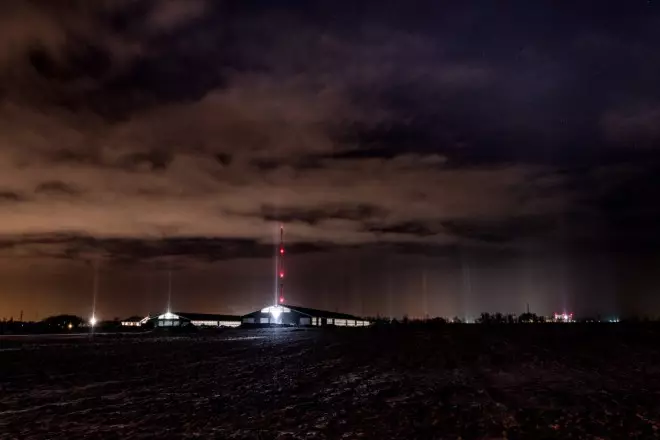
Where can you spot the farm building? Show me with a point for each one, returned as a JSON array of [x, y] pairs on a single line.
[[133, 321], [211, 320], [294, 316], [180, 319], [280, 315]]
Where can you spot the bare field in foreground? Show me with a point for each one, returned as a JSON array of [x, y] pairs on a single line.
[[469, 381]]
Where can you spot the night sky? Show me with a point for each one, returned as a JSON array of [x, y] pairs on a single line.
[[497, 153]]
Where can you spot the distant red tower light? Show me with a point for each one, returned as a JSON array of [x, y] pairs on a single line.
[[281, 251], [281, 274], [281, 300]]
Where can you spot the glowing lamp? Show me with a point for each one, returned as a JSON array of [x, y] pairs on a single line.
[[281, 250], [281, 274], [281, 299], [92, 321]]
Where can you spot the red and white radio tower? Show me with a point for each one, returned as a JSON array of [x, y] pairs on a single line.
[[279, 292]]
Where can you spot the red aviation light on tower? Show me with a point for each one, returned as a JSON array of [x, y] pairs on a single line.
[[279, 270]]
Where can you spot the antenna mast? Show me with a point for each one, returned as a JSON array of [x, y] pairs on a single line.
[[169, 291], [279, 291], [96, 286], [95, 292]]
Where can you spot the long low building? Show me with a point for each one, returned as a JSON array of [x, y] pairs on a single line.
[[180, 319], [279, 315], [134, 321], [301, 316]]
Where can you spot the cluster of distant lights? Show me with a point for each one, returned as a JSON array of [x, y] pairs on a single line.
[[564, 317], [568, 317]]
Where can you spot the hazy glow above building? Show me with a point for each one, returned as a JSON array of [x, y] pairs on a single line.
[[275, 311]]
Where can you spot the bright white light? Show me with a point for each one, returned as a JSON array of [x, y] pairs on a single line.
[[92, 321], [269, 309], [275, 311]]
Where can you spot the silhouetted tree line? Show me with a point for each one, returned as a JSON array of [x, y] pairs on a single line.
[[495, 318], [436, 321], [72, 323], [52, 324], [499, 318]]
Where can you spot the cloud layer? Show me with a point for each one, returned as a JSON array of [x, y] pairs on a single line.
[[132, 124]]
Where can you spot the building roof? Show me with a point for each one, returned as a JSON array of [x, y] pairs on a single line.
[[207, 317], [322, 313], [313, 312], [133, 319]]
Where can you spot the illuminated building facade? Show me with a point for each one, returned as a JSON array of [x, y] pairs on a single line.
[[182, 319], [284, 315], [287, 315], [133, 321]]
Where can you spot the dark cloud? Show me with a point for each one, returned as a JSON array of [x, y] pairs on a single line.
[[313, 216], [224, 158], [408, 228], [145, 251], [504, 230], [11, 196], [152, 160]]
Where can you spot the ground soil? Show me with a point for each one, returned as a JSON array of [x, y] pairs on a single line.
[[459, 381]]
